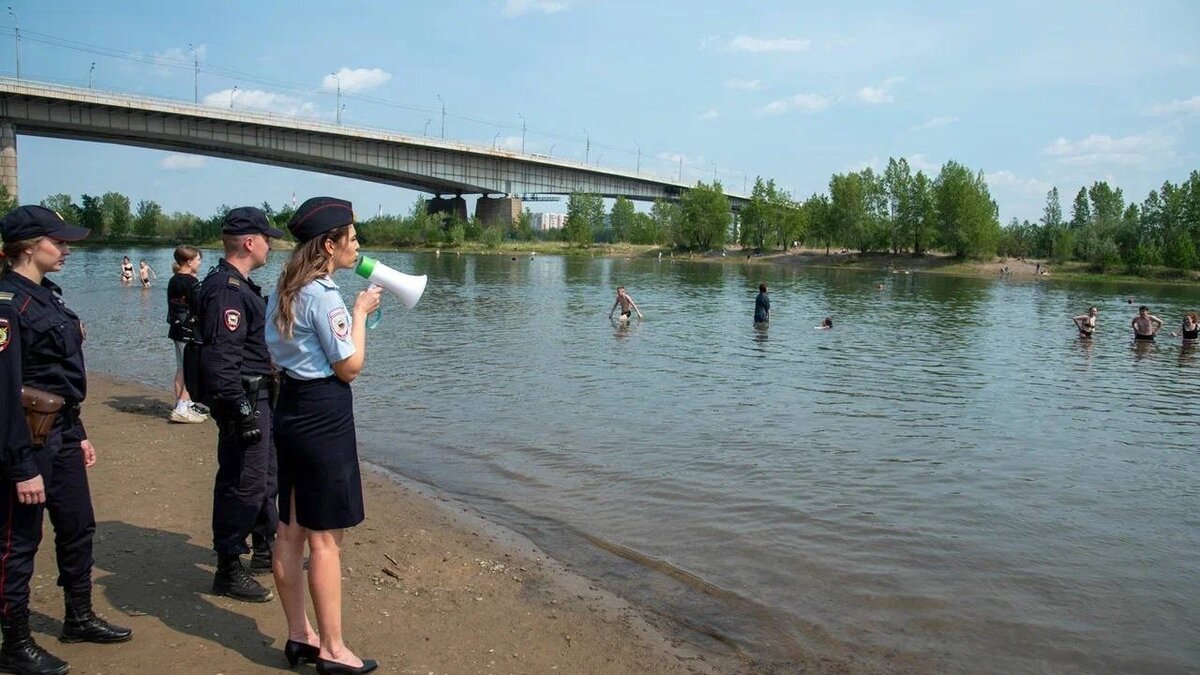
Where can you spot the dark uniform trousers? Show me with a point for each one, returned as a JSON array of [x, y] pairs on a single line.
[[247, 482], [69, 502]]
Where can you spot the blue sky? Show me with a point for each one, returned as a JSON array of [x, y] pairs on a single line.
[[1034, 94]]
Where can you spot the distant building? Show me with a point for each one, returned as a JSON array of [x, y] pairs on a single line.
[[549, 221]]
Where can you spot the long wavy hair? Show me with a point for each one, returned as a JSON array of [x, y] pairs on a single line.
[[12, 250], [309, 261]]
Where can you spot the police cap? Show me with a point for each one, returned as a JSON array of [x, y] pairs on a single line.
[[319, 215], [249, 220], [31, 222]]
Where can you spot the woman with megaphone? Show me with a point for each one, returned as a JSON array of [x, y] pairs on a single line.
[[319, 347]]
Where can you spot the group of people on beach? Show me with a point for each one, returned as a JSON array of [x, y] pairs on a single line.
[[1145, 325], [145, 273], [275, 376]]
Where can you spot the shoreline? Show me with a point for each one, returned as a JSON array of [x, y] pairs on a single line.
[[428, 584]]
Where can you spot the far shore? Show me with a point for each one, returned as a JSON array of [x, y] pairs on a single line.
[[931, 263], [427, 586]]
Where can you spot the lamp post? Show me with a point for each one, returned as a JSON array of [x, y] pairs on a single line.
[[17, 31], [443, 116], [90, 71], [232, 93], [338, 114], [425, 132], [195, 74], [522, 132], [681, 168], [587, 153], [494, 139], [551, 153], [639, 163]]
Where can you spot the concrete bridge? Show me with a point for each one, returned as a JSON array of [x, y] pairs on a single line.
[[445, 169]]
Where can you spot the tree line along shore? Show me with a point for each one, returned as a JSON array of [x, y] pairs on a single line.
[[898, 212]]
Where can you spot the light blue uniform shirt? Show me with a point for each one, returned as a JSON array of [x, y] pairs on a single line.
[[320, 332]]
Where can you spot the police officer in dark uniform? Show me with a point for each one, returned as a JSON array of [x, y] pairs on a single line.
[[237, 372], [41, 344]]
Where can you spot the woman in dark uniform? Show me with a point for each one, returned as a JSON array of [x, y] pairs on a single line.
[[319, 348], [41, 339]]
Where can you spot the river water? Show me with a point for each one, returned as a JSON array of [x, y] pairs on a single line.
[[949, 480]]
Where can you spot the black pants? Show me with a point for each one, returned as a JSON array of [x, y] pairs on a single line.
[[69, 502], [246, 485]]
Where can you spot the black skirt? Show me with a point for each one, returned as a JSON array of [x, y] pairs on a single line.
[[318, 454]]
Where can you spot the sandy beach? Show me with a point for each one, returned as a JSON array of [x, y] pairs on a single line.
[[428, 587]]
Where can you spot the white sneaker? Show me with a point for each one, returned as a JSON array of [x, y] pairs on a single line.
[[188, 416], [200, 409]]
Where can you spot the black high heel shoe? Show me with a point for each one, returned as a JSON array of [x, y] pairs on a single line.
[[295, 652], [325, 667]]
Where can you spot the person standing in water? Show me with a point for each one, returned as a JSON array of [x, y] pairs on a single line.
[[1086, 323], [1145, 325], [762, 307], [126, 271], [1189, 330], [628, 306]]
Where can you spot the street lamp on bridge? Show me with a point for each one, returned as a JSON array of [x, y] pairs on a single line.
[[639, 162], [90, 71], [522, 132], [587, 153], [195, 74], [338, 114], [17, 31], [494, 139], [426, 131], [232, 93], [443, 116]]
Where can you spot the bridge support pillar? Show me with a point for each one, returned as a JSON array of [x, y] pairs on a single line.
[[498, 211], [454, 207], [8, 159]]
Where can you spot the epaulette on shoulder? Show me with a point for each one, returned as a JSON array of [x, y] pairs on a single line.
[[5, 296], [234, 281]]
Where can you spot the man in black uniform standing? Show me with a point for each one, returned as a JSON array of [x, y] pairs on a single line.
[[236, 369]]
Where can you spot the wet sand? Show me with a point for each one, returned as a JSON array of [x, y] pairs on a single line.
[[428, 587]]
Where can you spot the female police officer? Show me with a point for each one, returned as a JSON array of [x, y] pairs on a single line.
[[319, 347], [41, 343]]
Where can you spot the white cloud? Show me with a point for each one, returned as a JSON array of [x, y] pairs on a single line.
[[509, 143], [745, 43], [181, 162], [519, 7], [1191, 105], [880, 94], [1102, 148], [1012, 183], [355, 79], [710, 115], [258, 100], [935, 122], [919, 162], [745, 85], [177, 58], [802, 102], [874, 95]]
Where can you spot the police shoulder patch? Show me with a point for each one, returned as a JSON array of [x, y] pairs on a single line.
[[234, 281], [233, 319], [5, 334], [6, 296], [339, 323]]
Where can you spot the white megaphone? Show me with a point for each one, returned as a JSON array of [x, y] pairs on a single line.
[[408, 287]]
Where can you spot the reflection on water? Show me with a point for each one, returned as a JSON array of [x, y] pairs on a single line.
[[948, 480]]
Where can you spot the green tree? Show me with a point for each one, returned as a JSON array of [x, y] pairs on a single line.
[[1081, 211], [149, 214], [645, 230], [1052, 213], [755, 217], [902, 216], [924, 213], [621, 219], [585, 217], [667, 218], [523, 228], [1107, 204], [91, 215], [821, 220], [706, 216], [118, 219], [848, 207], [968, 224], [7, 201], [63, 205]]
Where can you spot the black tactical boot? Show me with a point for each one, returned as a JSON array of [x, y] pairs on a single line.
[[233, 581], [80, 624], [260, 561], [20, 654]]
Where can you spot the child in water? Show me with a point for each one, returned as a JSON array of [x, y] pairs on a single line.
[[827, 324], [147, 273]]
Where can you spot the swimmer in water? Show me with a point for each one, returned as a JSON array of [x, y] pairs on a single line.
[[1086, 323], [628, 306], [1189, 330], [827, 324], [1145, 325]]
